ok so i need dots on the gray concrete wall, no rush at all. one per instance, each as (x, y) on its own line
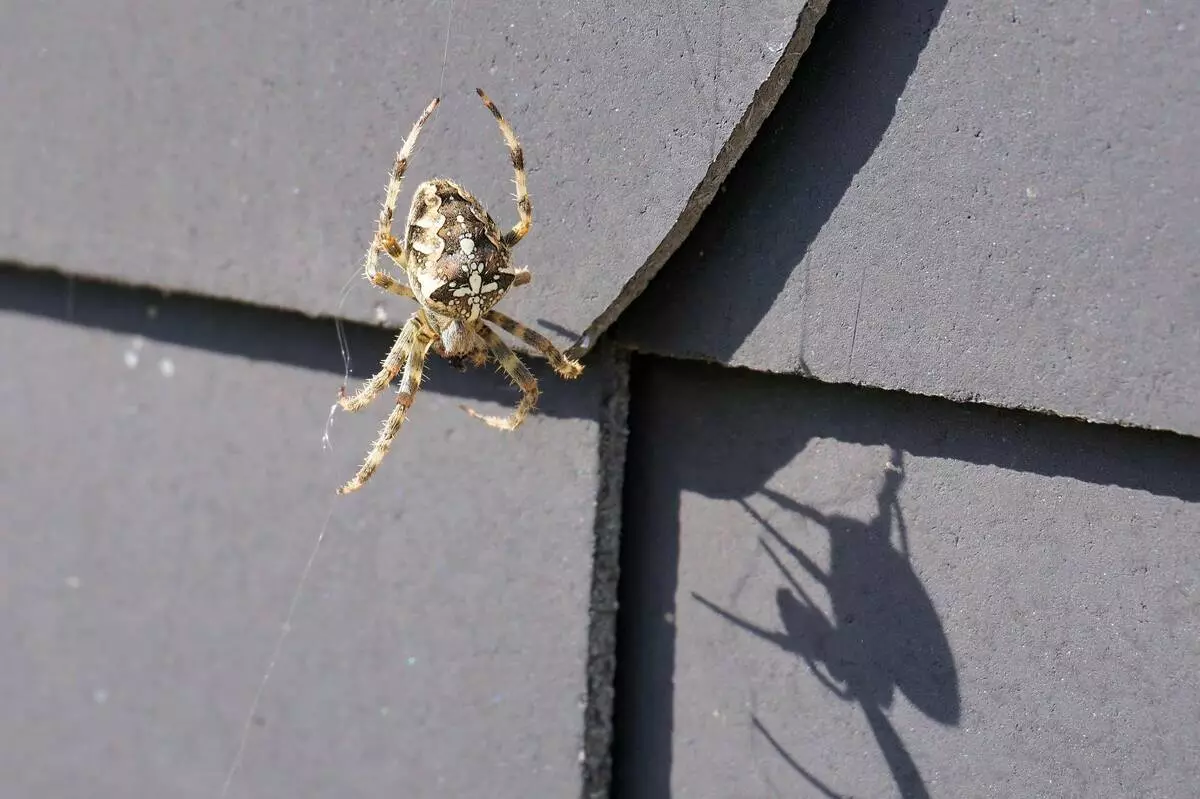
(988, 202)
(164, 484)
(887, 589)
(242, 150)
(831, 591)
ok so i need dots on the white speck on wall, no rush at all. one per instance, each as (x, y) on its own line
(380, 313)
(100, 696)
(73, 582)
(166, 367)
(383, 711)
(151, 311)
(131, 355)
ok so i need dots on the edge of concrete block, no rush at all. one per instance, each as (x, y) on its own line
(760, 107)
(596, 755)
(960, 397)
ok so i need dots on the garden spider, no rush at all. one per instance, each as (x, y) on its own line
(458, 265)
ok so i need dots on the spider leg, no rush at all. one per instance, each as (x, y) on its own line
(387, 373)
(409, 384)
(524, 206)
(384, 240)
(388, 283)
(520, 375)
(564, 366)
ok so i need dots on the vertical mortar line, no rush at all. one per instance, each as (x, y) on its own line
(613, 361)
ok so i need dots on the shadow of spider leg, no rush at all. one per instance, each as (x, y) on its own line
(417, 346)
(520, 375)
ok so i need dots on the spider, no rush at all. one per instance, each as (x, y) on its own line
(459, 265)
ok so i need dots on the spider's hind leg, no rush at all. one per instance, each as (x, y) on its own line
(384, 241)
(389, 284)
(409, 384)
(520, 375)
(524, 205)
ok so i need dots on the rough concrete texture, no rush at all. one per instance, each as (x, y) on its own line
(164, 483)
(985, 202)
(836, 591)
(242, 151)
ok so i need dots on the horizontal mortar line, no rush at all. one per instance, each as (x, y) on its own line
(129, 290)
(1032, 410)
(130, 287)
(242, 329)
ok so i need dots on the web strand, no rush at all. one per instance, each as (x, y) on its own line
(344, 348)
(446, 46)
(283, 632)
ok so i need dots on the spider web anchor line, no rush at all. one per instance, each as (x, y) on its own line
(284, 629)
(446, 47)
(344, 348)
(326, 442)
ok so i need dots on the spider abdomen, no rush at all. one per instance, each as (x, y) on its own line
(457, 253)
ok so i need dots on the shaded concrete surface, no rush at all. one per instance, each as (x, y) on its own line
(242, 150)
(164, 483)
(988, 203)
(836, 591)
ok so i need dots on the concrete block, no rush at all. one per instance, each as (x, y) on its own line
(834, 591)
(985, 203)
(165, 483)
(242, 151)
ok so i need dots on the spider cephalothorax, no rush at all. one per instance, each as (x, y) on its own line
(459, 265)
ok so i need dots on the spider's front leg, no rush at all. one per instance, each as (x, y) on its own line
(409, 385)
(564, 366)
(391, 366)
(520, 375)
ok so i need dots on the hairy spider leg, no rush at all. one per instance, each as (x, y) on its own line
(384, 241)
(564, 366)
(520, 375)
(523, 278)
(524, 206)
(388, 283)
(409, 384)
(391, 366)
